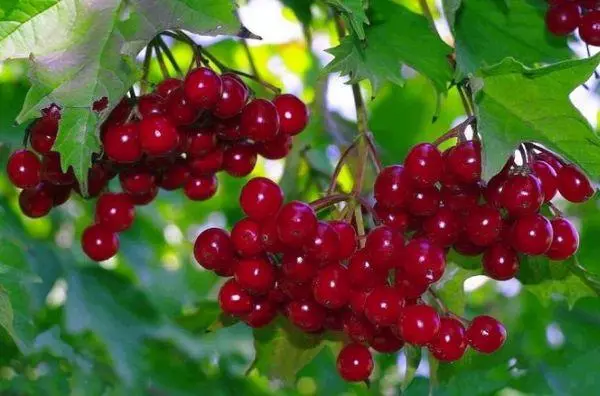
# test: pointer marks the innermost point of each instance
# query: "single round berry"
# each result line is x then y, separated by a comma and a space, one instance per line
500, 262
483, 225
296, 224
115, 211
144, 198
213, 249
43, 134
260, 121
382, 243
24, 169
363, 274
270, 237
443, 227
347, 237
180, 110
201, 188
150, 104
137, 180
550, 159
331, 287
277, 148
200, 141
203, 88
255, 275
423, 164
233, 98
207, 164
229, 130
464, 161
424, 201
52, 170
99, 242
158, 136
574, 185
392, 187
358, 300
565, 240
292, 112
261, 198
355, 363
306, 315
245, 236
233, 300
298, 267
465, 247
423, 262
239, 160
166, 86
357, 327
419, 324
407, 288
589, 28
122, 143
175, 176
522, 195
451, 342
563, 19
548, 178
385, 341
485, 334
494, 188
262, 313
532, 234
462, 198
37, 201
397, 219
383, 306
323, 246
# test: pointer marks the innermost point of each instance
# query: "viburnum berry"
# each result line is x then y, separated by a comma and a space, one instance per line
137, 180
548, 178
158, 136
422, 261
323, 246
229, 129
347, 238
296, 291
175, 176
500, 262
494, 188
392, 187
589, 28
144, 198
522, 195
233, 97
296, 224
461, 198
485, 334
532, 234
424, 165
255, 275
483, 225
331, 287
37, 201
565, 240
203, 88
261, 198
407, 288
355, 363
99, 242
122, 143
213, 249
115, 211
150, 104
179, 110
363, 274
60, 194
166, 86
419, 324
292, 112
260, 120
207, 164
262, 313
233, 300
574, 185
465, 247
200, 141
277, 148
239, 160
385, 341
383, 306
298, 267
563, 19
201, 188
52, 170
245, 236
24, 169
424, 201
464, 161
358, 300
269, 236
397, 219
43, 134
443, 227
451, 341
381, 244
357, 327
306, 315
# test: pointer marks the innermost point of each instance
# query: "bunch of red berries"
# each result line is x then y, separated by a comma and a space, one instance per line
375, 288
564, 16
177, 137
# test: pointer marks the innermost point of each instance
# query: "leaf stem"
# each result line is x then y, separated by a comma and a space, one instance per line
250, 59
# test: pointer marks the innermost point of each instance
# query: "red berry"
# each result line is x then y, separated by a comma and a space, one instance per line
99, 242
201, 188
260, 121
565, 240
122, 143
213, 249
397, 219
180, 110
383, 306
158, 136
261, 198
347, 237
60, 194
358, 300
500, 262
494, 188
443, 227
233, 98
137, 180
382, 244
483, 225
203, 88
165, 87
589, 28
574, 185
150, 104
486, 334
277, 148
43, 134
307, 315
144, 198
419, 324
522, 195
563, 19
37, 201
331, 287
392, 187
297, 267
262, 313
255, 275
407, 288
292, 112
358, 328
207, 164
24, 169
385, 341
269, 236
363, 273
424, 201
464, 161
323, 246
239, 160
233, 300
462, 198
548, 178
423, 164
423, 262
355, 363
245, 236
532, 234
296, 224
175, 176
550, 159
115, 211
465, 247
229, 130
200, 141
451, 341
52, 170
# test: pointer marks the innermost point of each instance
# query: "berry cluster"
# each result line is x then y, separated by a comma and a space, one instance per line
565, 16
375, 288
177, 137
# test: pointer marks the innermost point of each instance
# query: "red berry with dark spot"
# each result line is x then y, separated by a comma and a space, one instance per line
574, 185
99, 242
355, 363
213, 249
522, 195
565, 240
239, 160
419, 324
383, 306
500, 262
245, 236
261, 198
331, 287
451, 342
158, 136
233, 98
122, 143
203, 88
392, 187
260, 121
115, 211
292, 112
145, 198
233, 300
532, 234
296, 224
201, 188
424, 165
486, 334
24, 169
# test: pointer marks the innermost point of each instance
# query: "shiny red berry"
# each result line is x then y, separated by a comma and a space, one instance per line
260, 121
179, 110
137, 180
150, 104
233, 300
355, 363
158, 136
563, 19
37, 201
292, 112
298, 267
52, 170
483, 225
239, 160
122, 143
255, 275
424, 201
144, 198
245, 236
422, 261
500, 262
363, 274
213, 249
419, 324
392, 187
382, 244
407, 288
589, 28
397, 219
201, 188
522, 195
565, 240
43, 134
277, 148
385, 341
548, 178
165, 87
383, 306
233, 98
443, 227
574, 185
261, 198
331, 287
175, 176
262, 313
307, 315
462, 198
451, 342
207, 164
423, 164
357, 327
296, 224
347, 237
323, 246
200, 141
24, 169
464, 161
485, 334
99, 242
494, 188
532, 234
115, 211
203, 88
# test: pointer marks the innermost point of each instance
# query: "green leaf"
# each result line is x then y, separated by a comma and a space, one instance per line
451, 7
413, 359
301, 9
450, 289
353, 12
6, 313
571, 289
516, 104
518, 31
389, 44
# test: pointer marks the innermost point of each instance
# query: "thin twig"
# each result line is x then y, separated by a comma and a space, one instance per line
146, 68
454, 132
329, 200
250, 58
374, 154
339, 167
463, 98
161, 43
161, 62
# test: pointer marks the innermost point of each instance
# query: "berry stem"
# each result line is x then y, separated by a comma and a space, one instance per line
438, 301
161, 43
328, 201
555, 211
250, 59
374, 154
161, 62
339, 167
534, 146
455, 132
360, 225
146, 68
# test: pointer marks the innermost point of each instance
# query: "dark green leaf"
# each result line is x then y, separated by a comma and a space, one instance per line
353, 12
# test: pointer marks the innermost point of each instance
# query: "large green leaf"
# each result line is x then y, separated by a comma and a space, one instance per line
486, 32
353, 12
389, 44
516, 104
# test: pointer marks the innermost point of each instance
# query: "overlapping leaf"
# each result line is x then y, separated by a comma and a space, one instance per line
353, 12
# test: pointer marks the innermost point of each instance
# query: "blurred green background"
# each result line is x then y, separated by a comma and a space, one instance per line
142, 323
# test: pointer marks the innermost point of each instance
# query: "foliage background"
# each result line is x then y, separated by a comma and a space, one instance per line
144, 323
